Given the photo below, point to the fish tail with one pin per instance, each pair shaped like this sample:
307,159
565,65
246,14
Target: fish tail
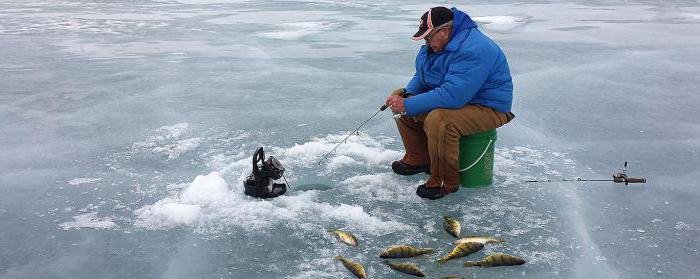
468,264
337,257
386,262
442,261
429,251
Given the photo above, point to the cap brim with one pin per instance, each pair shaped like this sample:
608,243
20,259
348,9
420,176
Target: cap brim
421,34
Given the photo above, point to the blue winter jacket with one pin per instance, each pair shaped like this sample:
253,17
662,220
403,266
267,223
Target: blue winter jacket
471,69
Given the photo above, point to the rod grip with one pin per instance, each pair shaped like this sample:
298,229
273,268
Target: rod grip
636,180
383,107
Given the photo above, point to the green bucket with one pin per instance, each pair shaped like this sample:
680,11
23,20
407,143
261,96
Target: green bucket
476,159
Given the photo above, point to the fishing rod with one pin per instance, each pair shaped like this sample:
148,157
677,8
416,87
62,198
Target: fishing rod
384,107
620,177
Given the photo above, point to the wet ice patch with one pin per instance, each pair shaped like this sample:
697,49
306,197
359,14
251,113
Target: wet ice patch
522,163
88,221
297,30
677,16
271,17
202,2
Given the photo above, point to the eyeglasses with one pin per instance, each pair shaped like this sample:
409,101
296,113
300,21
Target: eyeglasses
435,31
430,36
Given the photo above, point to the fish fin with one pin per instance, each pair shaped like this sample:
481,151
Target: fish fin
430,251
337,257
386,261
442,261
468,264
499,240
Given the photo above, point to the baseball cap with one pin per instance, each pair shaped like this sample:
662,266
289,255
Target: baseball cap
434,17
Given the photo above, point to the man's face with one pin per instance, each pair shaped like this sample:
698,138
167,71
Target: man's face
438,40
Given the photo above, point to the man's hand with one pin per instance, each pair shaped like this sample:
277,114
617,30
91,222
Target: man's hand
398,91
396,103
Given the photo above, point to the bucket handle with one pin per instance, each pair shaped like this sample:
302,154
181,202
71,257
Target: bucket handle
480,157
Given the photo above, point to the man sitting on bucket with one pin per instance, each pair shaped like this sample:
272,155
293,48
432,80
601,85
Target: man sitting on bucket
462,86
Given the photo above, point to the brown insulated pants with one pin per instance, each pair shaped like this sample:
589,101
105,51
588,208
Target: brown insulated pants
433,138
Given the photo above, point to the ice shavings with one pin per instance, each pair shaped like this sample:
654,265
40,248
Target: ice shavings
88,221
681,226
174,150
167,141
385,187
208,205
358,150
170,132
83,180
502,23
202,194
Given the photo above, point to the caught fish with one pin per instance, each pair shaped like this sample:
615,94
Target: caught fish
461,250
356,268
408,268
497,259
479,239
404,251
451,226
345,237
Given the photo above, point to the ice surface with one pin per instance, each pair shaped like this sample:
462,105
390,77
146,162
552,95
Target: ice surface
127,127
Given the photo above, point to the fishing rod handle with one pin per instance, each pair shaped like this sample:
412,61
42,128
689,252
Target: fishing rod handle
403,94
636,180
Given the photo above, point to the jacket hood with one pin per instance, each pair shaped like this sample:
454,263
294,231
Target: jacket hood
462,21
462,26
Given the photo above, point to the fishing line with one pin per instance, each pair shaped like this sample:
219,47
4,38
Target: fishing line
352,133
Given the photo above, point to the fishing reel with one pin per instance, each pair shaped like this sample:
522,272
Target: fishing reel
260,183
621,177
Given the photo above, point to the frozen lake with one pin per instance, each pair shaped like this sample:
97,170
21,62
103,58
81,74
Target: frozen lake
127,127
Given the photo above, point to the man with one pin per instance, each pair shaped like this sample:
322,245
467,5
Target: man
462,86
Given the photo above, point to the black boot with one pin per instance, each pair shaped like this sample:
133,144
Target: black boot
434,193
406,169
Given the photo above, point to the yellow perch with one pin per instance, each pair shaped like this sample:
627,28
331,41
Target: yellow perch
479,239
404,251
461,250
345,237
451,226
408,268
356,268
497,259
